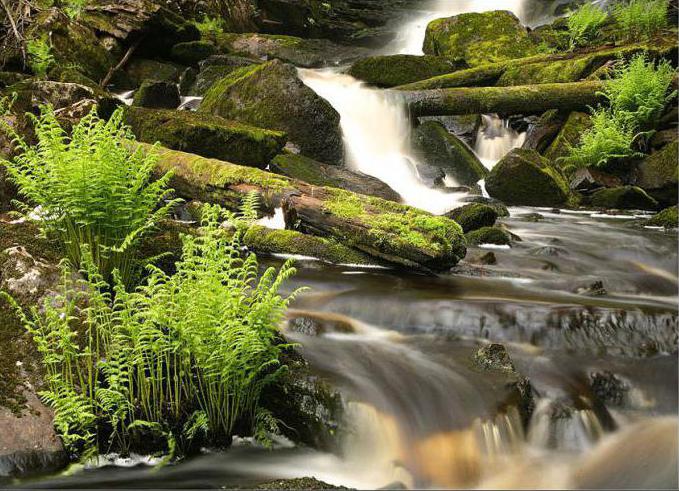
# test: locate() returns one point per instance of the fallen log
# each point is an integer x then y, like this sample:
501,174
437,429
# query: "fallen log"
524,99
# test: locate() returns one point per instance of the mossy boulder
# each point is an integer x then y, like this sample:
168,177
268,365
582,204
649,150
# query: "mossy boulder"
206,135
658,174
559,71
479,38
569,136
213,69
488,235
307,483
140,69
474,216
320,174
272,96
524,177
623,198
157,95
266,241
666,218
393,70
192,52
439,148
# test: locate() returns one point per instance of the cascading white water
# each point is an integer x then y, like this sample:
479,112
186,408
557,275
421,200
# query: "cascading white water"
495,139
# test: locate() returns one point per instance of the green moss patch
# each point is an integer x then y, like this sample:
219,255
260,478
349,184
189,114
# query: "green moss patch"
666,218
488,235
393,70
474,216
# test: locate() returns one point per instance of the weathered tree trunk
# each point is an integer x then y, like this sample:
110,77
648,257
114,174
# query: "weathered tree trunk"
525,99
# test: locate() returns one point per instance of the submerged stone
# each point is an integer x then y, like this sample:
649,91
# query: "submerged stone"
488,235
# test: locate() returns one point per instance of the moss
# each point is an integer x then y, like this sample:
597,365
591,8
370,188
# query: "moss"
474,216
206,135
192,52
156,94
488,235
569,136
393,70
623,198
658,174
479,38
666,218
139,70
302,168
263,240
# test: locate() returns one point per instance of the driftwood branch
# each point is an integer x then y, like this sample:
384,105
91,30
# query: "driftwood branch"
105,81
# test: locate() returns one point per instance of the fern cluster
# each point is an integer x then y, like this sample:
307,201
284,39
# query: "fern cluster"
90,187
40,57
639,19
182,356
584,23
74,8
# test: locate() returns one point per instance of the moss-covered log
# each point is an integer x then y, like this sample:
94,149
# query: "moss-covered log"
525,99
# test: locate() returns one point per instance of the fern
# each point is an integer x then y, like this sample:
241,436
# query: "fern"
584,23
74,8
639,19
40,58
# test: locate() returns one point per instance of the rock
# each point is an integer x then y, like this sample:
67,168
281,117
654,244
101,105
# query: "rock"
317,324
666,218
548,251
439,148
497,205
658,174
609,388
488,235
206,135
494,356
523,177
487,258
393,70
214,69
569,136
623,198
465,127
474,216
306,53
192,52
139,70
595,289
542,132
590,179
530,217
57,94
298,483
479,38
11,78
320,174
272,96
267,241
430,175
157,95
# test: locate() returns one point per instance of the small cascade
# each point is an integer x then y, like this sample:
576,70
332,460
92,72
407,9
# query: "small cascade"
495,139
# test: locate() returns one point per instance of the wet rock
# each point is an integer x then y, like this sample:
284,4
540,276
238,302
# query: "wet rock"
494,356
531,217
272,96
549,251
541,133
206,135
523,177
488,235
474,216
192,52
393,70
569,136
623,198
595,289
215,68
157,95
479,38
666,218
497,205
57,94
432,176
658,174
464,127
584,180
315,324
308,483
486,259
140,69
610,389
441,149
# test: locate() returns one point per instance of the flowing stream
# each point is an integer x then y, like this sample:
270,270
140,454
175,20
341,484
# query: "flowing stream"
418,413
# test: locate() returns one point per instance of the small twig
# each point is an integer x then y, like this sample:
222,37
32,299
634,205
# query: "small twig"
120,64
17,34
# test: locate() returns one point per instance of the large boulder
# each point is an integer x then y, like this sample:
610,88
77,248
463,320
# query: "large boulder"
206,135
569,136
474,216
192,52
157,95
141,69
213,69
542,131
393,70
272,96
524,177
479,38
438,148
658,174
623,198
488,235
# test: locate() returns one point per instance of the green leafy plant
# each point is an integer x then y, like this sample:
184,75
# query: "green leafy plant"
608,139
210,27
638,19
584,23
640,90
182,357
40,58
92,187
74,8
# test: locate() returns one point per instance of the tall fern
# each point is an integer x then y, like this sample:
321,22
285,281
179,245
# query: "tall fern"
89,187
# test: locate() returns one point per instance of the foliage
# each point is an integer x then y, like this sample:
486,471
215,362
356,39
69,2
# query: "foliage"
639,19
74,8
210,26
182,357
584,23
609,138
639,91
40,58
90,188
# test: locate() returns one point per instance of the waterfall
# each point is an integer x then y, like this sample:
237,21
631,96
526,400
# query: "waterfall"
495,139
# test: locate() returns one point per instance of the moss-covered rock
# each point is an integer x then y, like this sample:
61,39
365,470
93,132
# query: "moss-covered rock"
11,78
658,174
272,96
213,69
157,95
267,241
479,38
666,218
320,174
569,136
524,177
438,148
474,216
140,69
623,198
206,135
488,235
192,52
308,483
393,70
